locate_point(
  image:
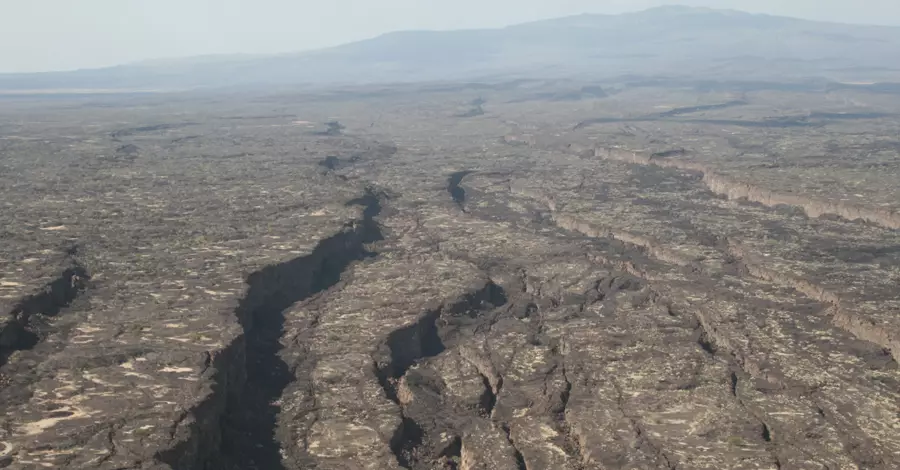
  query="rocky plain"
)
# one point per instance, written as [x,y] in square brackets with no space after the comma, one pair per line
[500,275]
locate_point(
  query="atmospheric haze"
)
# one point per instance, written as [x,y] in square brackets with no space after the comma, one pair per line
[47,35]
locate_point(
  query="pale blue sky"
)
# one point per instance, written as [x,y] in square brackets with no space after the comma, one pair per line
[39,35]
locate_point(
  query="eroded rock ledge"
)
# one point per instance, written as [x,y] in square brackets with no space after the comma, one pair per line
[734,189]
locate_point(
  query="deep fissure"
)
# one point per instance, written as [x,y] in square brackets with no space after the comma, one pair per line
[520,459]
[420,340]
[22,332]
[489,398]
[453,454]
[236,426]
[457,192]
[405,442]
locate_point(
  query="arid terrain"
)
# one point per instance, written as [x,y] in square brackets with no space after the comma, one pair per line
[495,275]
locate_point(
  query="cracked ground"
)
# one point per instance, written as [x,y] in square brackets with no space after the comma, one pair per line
[384,279]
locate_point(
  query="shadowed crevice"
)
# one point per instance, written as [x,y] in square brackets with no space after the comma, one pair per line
[235,426]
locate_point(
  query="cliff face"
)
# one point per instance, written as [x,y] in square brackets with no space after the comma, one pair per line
[844,312]
[734,189]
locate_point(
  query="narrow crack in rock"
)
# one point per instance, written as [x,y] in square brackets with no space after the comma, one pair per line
[520,460]
[639,432]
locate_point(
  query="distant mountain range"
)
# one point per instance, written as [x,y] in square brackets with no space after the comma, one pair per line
[677,42]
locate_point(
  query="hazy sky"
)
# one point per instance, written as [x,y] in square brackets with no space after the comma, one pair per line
[39,35]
